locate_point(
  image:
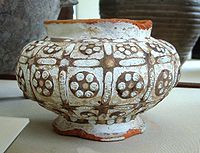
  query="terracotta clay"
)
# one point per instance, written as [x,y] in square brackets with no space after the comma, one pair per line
[98,75]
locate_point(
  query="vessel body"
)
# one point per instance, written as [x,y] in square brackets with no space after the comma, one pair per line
[98,75]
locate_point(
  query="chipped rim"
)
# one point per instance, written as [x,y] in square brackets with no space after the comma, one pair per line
[142,24]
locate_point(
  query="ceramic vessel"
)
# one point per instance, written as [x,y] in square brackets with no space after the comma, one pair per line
[98,75]
[176,21]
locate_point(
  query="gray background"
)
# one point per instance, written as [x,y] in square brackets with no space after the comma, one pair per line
[21,21]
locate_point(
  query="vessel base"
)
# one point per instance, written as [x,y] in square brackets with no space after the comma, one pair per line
[99,132]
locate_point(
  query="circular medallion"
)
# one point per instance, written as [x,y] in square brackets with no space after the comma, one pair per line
[127,48]
[90,47]
[129,85]
[156,46]
[20,79]
[51,48]
[84,85]
[43,82]
[163,83]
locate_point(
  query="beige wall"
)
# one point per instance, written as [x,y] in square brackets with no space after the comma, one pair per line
[87,9]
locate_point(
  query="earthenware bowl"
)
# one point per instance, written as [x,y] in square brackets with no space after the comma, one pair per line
[98,75]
